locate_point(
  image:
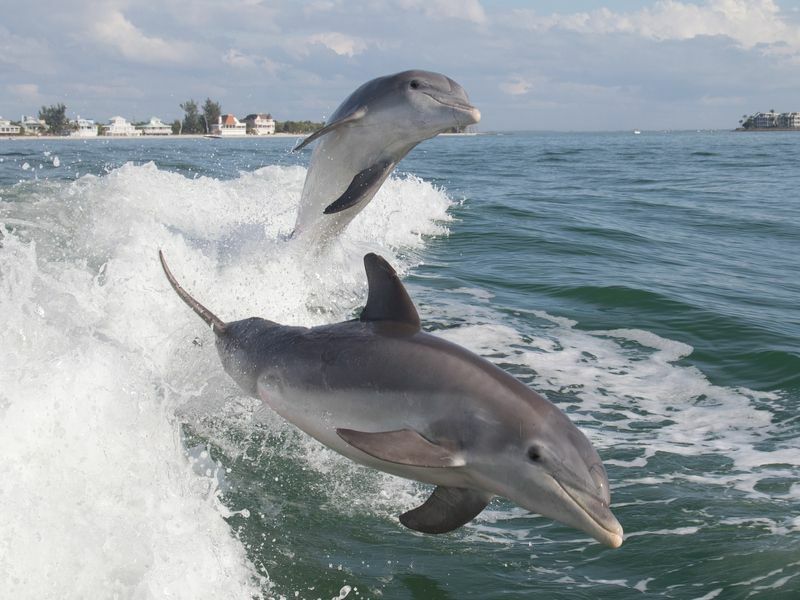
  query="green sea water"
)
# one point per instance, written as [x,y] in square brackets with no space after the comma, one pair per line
[646,284]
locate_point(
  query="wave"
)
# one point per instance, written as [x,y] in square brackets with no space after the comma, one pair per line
[99,356]
[109,382]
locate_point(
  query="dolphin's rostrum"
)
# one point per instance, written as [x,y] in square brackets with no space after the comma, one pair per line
[389,396]
[370,132]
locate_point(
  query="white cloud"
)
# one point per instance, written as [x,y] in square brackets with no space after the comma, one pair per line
[116,31]
[467,10]
[239,60]
[516,86]
[341,44]
[749,22]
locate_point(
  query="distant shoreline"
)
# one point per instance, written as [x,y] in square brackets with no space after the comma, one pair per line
[760,129]
[188,136]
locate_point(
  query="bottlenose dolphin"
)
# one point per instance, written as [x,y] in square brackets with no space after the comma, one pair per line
[385,394]
[370,132]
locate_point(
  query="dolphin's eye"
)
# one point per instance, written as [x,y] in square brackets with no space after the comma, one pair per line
[533,454]
[414,84]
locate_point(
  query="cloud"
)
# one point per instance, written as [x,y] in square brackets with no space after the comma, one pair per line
[341,44]
[749,23]
[517,86]
[239,60]
[115,30]
[467,10]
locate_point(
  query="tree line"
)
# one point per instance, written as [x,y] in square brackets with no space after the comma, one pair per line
[197,119]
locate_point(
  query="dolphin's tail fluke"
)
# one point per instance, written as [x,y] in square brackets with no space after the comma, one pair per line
[210,318]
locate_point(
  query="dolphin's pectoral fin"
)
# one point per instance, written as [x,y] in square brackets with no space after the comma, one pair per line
[365,183]
[388,300]
[404,446]
[351,118]
[447,509]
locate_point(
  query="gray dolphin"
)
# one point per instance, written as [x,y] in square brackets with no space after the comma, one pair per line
[385,394]
[370,132]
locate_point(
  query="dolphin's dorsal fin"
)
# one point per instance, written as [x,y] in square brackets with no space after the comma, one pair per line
[387,299]
[403,446]
[447,509]
[365,184]
[354,116]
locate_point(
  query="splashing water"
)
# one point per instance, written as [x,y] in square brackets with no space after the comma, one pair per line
[137,468]
[98,355]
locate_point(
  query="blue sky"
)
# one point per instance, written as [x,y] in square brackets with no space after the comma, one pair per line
[553,65]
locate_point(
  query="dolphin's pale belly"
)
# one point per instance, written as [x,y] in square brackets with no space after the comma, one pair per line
[348,377]
[338,158]
[328,176]
[319,415]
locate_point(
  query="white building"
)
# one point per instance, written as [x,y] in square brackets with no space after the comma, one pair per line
[228,126]
[6,128]
[765,120]
[155,127]
[119,127]
[789,120]
[260,124]
[32,125]
[85,128]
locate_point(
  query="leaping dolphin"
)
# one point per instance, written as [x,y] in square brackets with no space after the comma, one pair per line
[370,132]
[389,396]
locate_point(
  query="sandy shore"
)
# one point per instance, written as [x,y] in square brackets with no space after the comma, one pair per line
[150,137]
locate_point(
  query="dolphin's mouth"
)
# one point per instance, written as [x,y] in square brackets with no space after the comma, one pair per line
[459,106]
[608,532]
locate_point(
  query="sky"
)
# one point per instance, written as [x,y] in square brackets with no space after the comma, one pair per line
[573,65]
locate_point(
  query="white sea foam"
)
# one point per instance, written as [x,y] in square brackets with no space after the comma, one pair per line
[100,366]
[98,358]
[633,374]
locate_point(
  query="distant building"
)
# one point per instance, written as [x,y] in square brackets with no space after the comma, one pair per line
[260,124]
[772,120]
[83,128]
[155,127]
[119,127]
[6,128]
[228,126]
[32,125]
[789,120]
[765,120]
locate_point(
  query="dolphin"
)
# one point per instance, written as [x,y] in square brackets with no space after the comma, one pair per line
[389,396]
[370,132]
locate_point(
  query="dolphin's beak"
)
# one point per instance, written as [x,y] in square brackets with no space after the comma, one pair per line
[466,114]
[591,515]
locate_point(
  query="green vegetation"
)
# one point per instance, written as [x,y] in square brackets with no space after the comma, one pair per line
[457,129]
[192,123]
[211,111]
[297,126]
[55,116]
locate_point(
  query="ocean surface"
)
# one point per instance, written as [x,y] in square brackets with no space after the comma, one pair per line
[647,284]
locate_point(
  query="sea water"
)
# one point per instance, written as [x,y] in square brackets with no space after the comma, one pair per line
[647,284]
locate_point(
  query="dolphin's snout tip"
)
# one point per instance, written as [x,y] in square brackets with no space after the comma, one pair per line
[476,115]
[616,542]
[612,536]
[468,116]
